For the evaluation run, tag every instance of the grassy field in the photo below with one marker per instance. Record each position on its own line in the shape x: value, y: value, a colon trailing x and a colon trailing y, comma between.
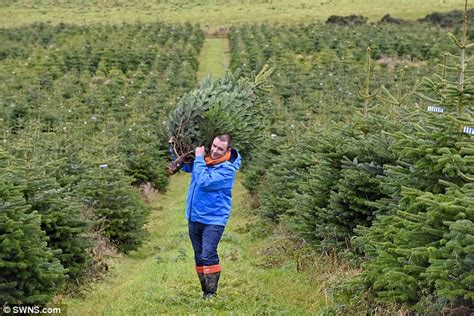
x: 257, y: 277
x: 211, y: 14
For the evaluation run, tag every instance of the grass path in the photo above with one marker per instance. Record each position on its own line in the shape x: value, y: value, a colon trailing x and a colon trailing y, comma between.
x: 160, y: 276
x: 214, y: 57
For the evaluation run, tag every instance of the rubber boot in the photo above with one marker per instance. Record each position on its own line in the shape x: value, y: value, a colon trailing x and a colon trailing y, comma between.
x: 202, y: 280
x: 211, y: 280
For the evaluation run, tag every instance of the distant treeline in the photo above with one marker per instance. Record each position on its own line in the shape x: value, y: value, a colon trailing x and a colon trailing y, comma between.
x: 446, y: 19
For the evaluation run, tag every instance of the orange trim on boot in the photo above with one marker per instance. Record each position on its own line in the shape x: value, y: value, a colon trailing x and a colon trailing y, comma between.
x: 199, y: 269
x: 212, y: 269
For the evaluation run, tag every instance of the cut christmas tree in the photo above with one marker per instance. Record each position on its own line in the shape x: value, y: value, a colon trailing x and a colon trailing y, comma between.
x: 224, y: 105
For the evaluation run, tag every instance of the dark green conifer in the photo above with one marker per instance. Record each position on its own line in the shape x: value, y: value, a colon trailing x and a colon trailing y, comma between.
x: 30, y: 273
x: 223, y: 105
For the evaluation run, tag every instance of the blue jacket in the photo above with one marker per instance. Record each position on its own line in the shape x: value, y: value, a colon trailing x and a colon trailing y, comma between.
x: 209, y: 198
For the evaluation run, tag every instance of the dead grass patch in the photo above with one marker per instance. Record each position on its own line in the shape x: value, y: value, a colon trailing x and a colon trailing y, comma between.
x: 391, y: 62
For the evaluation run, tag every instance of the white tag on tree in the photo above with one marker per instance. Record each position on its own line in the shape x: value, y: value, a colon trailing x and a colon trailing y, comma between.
x: 468, y: 130
x: 435, y: 109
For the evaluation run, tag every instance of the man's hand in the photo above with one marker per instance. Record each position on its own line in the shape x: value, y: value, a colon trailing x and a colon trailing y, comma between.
x: 174, y: 166
x: 200, y: 151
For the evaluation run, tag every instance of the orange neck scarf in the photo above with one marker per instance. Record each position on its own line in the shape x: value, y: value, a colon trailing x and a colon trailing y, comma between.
x: 212, y: 162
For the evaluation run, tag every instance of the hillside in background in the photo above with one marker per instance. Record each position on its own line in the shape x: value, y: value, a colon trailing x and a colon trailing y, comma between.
x: 211, y: 14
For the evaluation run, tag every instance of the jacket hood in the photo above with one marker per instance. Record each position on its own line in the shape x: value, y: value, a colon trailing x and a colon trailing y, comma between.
x: 234, y: 159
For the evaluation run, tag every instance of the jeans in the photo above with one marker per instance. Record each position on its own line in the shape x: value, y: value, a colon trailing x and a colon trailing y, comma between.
x: 205, y: 239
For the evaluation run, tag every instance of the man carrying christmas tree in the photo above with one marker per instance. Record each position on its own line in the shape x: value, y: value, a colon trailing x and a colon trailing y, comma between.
x: 208, y: 206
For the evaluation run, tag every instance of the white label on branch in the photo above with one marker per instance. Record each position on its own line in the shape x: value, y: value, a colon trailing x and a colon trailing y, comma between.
x: 468, y: 130
x: 436, y: 109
